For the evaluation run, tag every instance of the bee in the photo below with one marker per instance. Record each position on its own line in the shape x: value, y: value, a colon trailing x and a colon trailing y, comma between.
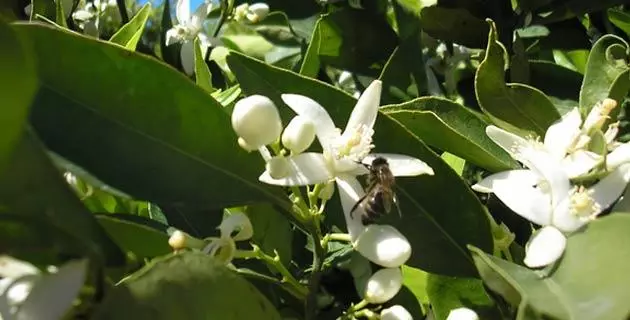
x: 380, y: 195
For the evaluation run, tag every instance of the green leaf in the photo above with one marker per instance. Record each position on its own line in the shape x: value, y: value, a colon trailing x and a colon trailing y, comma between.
x: 169, y: 146
x: 203, y: 77
x: 564, y: 10
x: 272, y: 231
x: 620, y: 19
x: 513, y: 106
x: 454, y: 25
x: 129, y: 34
x: 416, y: 281
x: 44, y: 8
x: 560, y: 84
x: 54, y: 294
x: 448, y: 293
x: 451, y: 127
x: 34, y: 190
x: 574, y: 287
x: 142, y: 237
x: 60, y: 16
x: 606, y: 72
x: 186, y: 286
x: 348, y: 38
x: 437, y: 227
x: 18, y: 83
x: 456, y: 163
x: 277, y: 29
x: 311, y: 63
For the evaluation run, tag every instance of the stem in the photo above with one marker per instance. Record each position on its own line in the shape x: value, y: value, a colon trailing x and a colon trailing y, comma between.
x: 289, y: 289
x: 296, y: 288
x: 226, y: 10
x: 342, y: 237
x: 319, y: 254
x: 122, y: 8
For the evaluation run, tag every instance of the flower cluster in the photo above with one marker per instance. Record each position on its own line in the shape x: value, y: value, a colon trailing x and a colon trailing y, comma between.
x: 556, y: 190
x: 95, y: 16
x: 345, y: 155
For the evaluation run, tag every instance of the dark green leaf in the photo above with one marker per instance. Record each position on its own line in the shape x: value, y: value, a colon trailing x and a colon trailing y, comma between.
x: 272, y: 231
x: 571, y: 291
x: 277, y: 29
x: 451, y: 127
x: 60, y: 16
x: 512, y: 106
x: 186, y: 286
x: 531, y: 5
x: 620, y: 19
x: 311, y: 63
x: 129, y: 34
x: 17, y: 87
x: 606, y: 72
x: 437, y: 227
x: 454, y: 25
x: 171, y: 144
x: 44, y: 8
x: 560, y: 84
x: 448, y: 293
x: 32, y: 187
x: 142, y: 237
x: 203, y: 77
x: 563, y: 10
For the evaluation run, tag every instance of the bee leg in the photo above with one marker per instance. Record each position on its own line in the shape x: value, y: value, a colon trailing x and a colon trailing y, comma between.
x: 356, y: 205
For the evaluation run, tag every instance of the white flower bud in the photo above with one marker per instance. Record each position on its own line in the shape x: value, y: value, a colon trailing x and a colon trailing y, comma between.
x: 244, y: 145
x: 383, y: 285
x: 256, y: 120
x: 298, y: 135
x: 257, y: 12
x: 327, y: 191
x: 383, y: 245
x: 278, y: 167
x: 462, y: 314
x: 177, y: 241
x: 396, y: 312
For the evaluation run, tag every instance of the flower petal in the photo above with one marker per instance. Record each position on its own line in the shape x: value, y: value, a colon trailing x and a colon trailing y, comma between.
x: 609, y: 189
x: 580, y: 162
x: 518, y: 190
x: 505, y: 139
x: 383, y: 245
x: 565, y: 220
x: 563, y: 133
x: 196, y: 21
x: 541, y: 162
x: 222, y: 249
x: 366, y: 109
x: 462, y: 313
x: 188, y: 58
x: 304, y: 169
x: 237, y: 221
x: 350, y: 191
x: 401, y: 165
x: 304, y: 106
x: 396, y: 312
x: 182, y: 11
x: 620, y: 155
x: 545, y: 247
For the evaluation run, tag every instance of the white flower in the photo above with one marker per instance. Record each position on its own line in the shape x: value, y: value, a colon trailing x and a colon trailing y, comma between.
x: 298, y: 135
x: 187, y: 28
x: 90, y: 18
x: 544, y: 195
x: 18, y: 278
x: 256, y: 120
x: 257, y: 12
x: 396, y: 312
x: 383, y: 245
x: 383, y: 285
x: 343, y: 153
x: 462, y: 313
x: 224, y: 247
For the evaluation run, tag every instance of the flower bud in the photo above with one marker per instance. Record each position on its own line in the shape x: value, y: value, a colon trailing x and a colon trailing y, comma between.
x: 278, y: 167
x: 396, y: 312
x: 257, y: 12
x: 462, y: 314
x: 182, y: 240
x: 256, y: 120
x: 383, y: 285
x: 327, y: 191
x: 298, y: 135
x: 598, y: 115
x: 383, y: 245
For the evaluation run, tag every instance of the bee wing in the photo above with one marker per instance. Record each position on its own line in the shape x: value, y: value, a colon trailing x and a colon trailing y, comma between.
x: 395, y: 200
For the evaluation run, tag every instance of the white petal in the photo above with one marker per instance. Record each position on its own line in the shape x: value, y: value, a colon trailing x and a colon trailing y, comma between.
x: 83, y: 15
x: 609, y: 189
x: 310, y: 109
x: 396, y: 312
x: 383, y: 285
x: 563, y: 133
x: 580, y: 162
x: 305, y: 169
x: 401, y: 165
x: 506, y: 140
x: 620, y: 155
x: 383, y: 245
x: 563, y: 219
x: 222, y: 249
x: 517, y: 190
x: 13, y: 268
x: 237, y: 221
x: 541, y: 162
x: 182, y: 11
x: 172, y: 37
x: 196, y: 22
x: 350, y: 191
x: 366, y: 109
x: 462, y: 313
x: 188, y: 57
x: 545, y: 247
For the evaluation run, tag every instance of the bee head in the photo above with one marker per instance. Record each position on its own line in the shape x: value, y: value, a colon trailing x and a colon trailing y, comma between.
x: 379, y: 161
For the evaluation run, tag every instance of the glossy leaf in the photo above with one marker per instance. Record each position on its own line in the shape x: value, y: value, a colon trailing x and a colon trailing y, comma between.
x: 142, y: 237
x: 448, y: 293
x: 620, y: 19
x: 606, y: 74
x: 129, y: 34
x: 17, y: 87
x: 510, y: 105
x: 451, y: 127
x: 436, y: 226
x: 454, y: 25
x: 186, y: 286
x: 203, y: 77
x: 560, y: 84
x: 272, y: 231
x: 416, y: 281
x: 574, y: 287
x: 33, y: 189
x: 182, y: 153
x: 311, y: 63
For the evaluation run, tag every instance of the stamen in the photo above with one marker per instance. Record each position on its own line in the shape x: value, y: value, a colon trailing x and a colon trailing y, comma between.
x: 582, y: 203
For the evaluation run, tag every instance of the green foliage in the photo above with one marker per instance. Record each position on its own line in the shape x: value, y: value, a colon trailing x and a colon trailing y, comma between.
x: 129, y: 34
